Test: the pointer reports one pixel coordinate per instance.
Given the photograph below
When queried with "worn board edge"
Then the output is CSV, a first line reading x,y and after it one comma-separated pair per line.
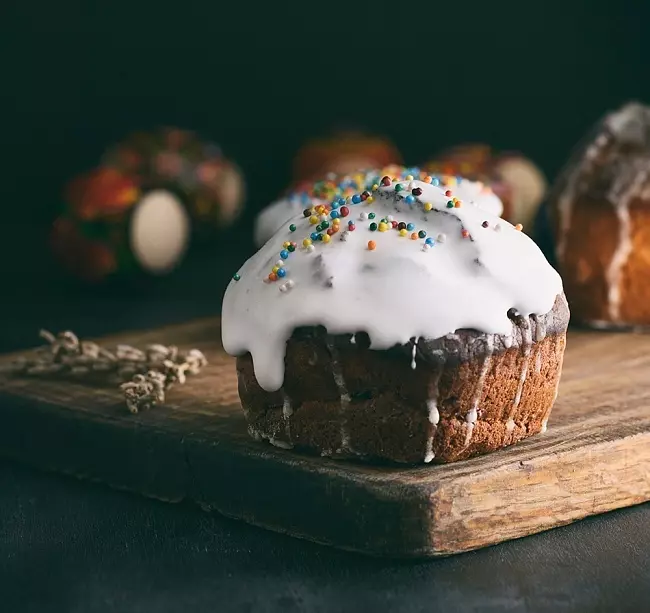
x,y
374,516
517,494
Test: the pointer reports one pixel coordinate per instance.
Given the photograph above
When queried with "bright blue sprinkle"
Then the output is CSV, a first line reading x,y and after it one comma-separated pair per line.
x,y
410,226
284,254
409,199
335,214
356,199
314,236
435,181
341,201
335,204
281,272
350,223
430,241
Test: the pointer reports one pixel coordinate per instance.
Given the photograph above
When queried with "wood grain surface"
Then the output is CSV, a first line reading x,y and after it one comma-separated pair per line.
x,y
595,456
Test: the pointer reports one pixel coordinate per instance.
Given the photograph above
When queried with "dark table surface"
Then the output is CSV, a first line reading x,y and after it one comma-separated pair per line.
x,y
73,546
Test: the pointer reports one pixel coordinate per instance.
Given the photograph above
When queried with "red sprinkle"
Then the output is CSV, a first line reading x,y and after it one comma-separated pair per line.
x,y
352,227
394,224
464,233
448,193
385,181
345,211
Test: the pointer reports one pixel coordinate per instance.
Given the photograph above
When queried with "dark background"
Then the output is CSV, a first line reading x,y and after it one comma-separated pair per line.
x,y
260,78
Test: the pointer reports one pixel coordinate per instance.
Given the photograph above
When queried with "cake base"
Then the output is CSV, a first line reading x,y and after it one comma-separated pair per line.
x,y
595,456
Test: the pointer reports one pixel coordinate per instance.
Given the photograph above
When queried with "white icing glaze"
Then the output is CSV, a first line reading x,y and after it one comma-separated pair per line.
x,y
345,396
280,212
472,416
395,292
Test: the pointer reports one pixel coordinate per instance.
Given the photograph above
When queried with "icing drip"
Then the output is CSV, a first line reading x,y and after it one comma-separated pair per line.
x,y
624,246
287,412
415,348
472,416
432,408
345,396
392,290
527,342
568,196
538,362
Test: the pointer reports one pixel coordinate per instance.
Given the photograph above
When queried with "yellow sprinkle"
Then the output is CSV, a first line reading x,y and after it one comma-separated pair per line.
x,y
427,206
275,269
403,232
326,238
313,220
370,199
383,227
409,177
306,242
286,244
375,187
458,204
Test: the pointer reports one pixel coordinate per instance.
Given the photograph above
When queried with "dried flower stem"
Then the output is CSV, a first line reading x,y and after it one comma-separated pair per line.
x,y
146,374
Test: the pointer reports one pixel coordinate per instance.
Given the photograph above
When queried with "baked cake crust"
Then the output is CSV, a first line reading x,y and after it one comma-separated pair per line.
x,y
437,400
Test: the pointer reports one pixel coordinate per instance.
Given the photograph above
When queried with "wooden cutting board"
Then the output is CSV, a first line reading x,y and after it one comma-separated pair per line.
x,y
594,457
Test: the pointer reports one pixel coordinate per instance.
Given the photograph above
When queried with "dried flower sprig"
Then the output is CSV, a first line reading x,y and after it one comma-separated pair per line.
x,y
151,371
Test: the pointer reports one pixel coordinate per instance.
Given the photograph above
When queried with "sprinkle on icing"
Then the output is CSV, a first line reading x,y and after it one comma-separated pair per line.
x,y
343,191
375,280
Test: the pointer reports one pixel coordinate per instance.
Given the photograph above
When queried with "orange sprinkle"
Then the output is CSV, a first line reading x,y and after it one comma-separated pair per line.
x,y
464,234
414,236
427,179
372,245
458,204
273,277
519,227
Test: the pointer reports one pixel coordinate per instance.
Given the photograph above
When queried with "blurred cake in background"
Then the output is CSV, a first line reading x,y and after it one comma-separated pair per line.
x,y
518,182
152,194
600,214
337,166
344,152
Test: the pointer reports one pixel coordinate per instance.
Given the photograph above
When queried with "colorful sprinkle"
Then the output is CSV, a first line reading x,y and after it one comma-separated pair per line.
x,y
409,199
307,212
441,238
281,272
416,191
371,215
464,233
422,233
399,187
326,238
313,220
292,227
273,277
236,276
414,236
345,211
284,254
372,245
519,227
435,181
450,205
401,225
486,224
383,227
427,179
363,216
427,206
448,193
410,226
385,181
403,232
291,248
430,242
393,224
373,226
306,242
